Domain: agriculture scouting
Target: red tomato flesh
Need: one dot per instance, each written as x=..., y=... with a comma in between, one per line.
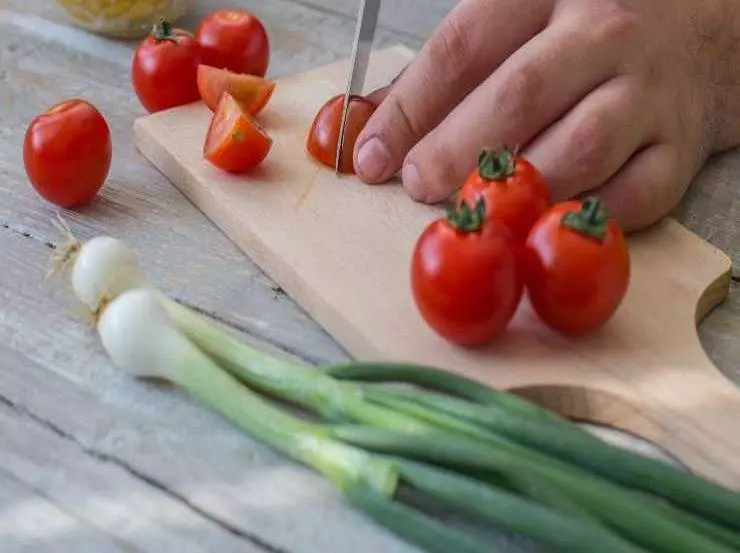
x=323, y=136
x=515, y=192
x=251, y=92
x=577, y=267
x=165, y=67
x=465, y=279
x=235, y=141
x=234, y=40
x=67, y=153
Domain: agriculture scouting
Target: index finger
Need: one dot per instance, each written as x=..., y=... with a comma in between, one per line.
x=474, y=39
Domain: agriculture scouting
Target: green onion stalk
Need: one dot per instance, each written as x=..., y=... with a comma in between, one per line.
x=643, y=523
x=139, y=337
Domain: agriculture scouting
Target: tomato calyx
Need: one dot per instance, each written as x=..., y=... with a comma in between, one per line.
x=496, y=165
x=591, y=220
x=467, y=219
x=163, y=31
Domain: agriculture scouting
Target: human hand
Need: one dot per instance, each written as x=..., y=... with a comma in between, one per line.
x=620, y=98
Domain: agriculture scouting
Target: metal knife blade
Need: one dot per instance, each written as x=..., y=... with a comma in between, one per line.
x=367, y=20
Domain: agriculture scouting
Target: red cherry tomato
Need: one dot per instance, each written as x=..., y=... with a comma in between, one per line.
x=464, y=277
x=323, y=137
x=235, y=142
x=164, y=70
x=515, y=192
x=67, y=153
x=576, y=266
x=251, y=92
x=235, y=40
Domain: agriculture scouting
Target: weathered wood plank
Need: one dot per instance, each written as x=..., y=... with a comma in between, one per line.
x=55, y=368
x=102, y=493
x=31, y=523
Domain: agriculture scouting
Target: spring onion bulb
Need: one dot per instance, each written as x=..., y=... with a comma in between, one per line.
x=103, y=268
x=138, y=336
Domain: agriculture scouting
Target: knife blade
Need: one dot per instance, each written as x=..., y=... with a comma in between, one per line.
x=367, y=20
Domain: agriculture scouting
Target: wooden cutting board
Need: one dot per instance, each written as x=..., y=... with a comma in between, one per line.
x=341, y=249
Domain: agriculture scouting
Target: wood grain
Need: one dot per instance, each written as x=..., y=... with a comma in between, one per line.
x=31, y=523
x=44, y=59
x=342, y=250
x=197, y=477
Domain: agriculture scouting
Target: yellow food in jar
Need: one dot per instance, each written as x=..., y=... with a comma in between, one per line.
x=122, y=18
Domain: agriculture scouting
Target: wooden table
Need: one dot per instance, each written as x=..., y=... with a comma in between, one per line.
x=93, y=461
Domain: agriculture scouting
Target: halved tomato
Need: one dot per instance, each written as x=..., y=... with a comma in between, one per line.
x=235, y=141
x=250, y=91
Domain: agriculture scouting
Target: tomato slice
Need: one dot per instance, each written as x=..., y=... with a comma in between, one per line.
x=235, y=141
x=250, y=91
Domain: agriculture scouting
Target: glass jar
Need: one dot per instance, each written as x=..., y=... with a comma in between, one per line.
x=122, y=18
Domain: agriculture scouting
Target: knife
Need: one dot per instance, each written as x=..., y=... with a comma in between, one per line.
x=367, y=20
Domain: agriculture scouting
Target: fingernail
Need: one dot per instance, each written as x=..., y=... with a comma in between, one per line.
x=373, y=159
x=412, y=182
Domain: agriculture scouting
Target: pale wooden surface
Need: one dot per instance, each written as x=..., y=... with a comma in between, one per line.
x=113, y=465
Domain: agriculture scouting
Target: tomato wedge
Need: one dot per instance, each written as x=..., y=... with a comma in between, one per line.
x=235, y=141
x=250, y=91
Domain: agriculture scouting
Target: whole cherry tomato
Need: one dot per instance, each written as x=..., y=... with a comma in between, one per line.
x=465, y=278
x=235, y=40
x=516, y=193
x=235, y=141
x=576, y=266
x=164, y=70
x=67, y=153
x=323, y=137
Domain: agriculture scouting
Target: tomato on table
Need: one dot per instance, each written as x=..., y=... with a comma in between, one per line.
x=67, y=153
x=164, y=69
x=515, y=192
x=234, y=40
x=235, y=142
x=251, y=92
x=323, y=137
x=576, y=266
x=465, y=278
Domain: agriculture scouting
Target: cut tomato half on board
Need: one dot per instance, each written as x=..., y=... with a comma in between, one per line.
x=250, y=91
x=235, y=141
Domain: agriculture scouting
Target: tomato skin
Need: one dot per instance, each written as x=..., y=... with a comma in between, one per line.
x=575, y=282
x=517, y=197
x=466, y=284
x=323, y=136
x=164, y=69
x=234, y=40
x=235, y=142
x=253, y=93
x=67, y=153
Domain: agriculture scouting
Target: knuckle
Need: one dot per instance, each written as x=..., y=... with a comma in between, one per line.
x=406, y=120
x=590, y=141
x=451, y=49
x=519, y=96
x=613, y=26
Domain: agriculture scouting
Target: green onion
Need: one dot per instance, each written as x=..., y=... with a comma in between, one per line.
x=410, y=524
x=568, y=443
x=436, y=379
x=558, y=531
x=620, y=509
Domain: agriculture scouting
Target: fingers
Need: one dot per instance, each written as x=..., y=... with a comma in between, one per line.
x=531, y=90
x=472, y=41
x=646, y=188
x=592, y=142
